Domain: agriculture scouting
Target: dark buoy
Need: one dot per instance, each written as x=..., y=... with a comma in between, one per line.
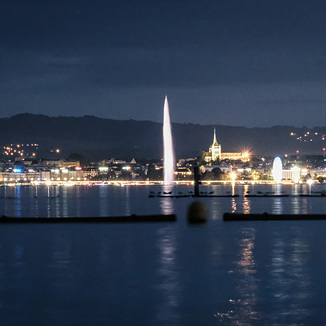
x=197, y=213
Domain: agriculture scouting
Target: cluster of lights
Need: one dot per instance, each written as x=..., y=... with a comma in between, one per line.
x=309, y=136
x=15, y=150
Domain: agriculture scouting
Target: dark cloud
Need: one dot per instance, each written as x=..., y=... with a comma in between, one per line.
x=157, y=24
x=95, y=57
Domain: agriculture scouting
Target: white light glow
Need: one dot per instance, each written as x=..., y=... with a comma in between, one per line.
x=277, y=170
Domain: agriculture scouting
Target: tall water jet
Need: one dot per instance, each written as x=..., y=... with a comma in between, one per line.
x=168, y=157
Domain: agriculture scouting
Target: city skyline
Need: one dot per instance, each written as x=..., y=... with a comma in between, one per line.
x=252, y=63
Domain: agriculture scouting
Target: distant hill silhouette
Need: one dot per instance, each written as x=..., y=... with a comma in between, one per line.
x=99, y=138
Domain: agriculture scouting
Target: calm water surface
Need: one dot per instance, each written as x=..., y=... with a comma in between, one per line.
x=236, y=273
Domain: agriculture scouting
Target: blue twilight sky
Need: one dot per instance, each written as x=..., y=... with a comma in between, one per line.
x=231, y=62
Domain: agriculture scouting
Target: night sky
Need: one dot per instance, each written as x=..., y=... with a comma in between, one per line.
x=246, y=62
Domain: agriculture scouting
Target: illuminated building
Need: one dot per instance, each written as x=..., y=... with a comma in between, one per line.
x=182, y=171
x=293, y=174
x=60, y=163
x=235, y=156
x=210, y=168
x=215, y=152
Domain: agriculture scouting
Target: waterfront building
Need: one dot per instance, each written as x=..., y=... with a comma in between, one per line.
x=293, y=174
x=182, y=171
x=60, y=163
x=23, y=176
x=235, y=156
x=89, y=172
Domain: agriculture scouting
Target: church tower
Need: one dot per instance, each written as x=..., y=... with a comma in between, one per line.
x=215, y=149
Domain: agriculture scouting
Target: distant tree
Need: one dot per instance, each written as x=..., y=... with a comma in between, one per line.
x=141, y=176
x=201, y=158
x=111, y=175
x=184, y=177
x=99, y=177
x=216, y=162
x=125, y=175
x=255, y=175
x=245, y=165
x=217, y=173
x=306, y=177
x=78, y=157
x=153, y=174
x=265, y=177
x=245, y=175
x=206, y=175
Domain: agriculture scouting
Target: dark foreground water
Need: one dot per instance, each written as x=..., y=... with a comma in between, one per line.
x=235, y=273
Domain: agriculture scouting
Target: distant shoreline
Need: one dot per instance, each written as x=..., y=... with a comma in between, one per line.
x=142, y=183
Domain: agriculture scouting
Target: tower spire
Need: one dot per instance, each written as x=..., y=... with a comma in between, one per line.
x=215, y=149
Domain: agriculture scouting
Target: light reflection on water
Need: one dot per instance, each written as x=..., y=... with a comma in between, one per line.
x=55, y=201
x=103, y=204
x=246, y=201
x=243, y=309
x=233, y=201
x=61, y=260
x=166, y=204
x=277, y=203
x=65, y=200
x=127, y=200
x=277, y=189
x=247, y=289
x=277, y=206
x=169, y=285
x=234, y=205
x=18, y=196
x=295, y=203
x=288, y=281
x=271, y=280
x=244, y=273
x=233, y=188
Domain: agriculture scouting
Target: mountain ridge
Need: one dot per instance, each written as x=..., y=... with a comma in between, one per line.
x=101, y=138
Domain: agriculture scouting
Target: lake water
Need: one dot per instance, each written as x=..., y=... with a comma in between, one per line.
x=169, y=273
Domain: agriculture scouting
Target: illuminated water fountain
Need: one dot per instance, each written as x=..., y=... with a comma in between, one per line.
x=277, y=170
x=168, y=146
